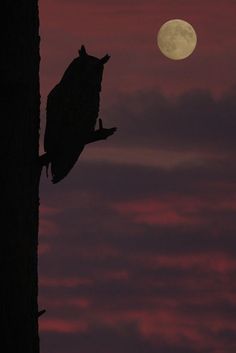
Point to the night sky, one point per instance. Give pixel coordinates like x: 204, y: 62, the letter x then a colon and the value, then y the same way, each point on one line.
x: 137, y: 244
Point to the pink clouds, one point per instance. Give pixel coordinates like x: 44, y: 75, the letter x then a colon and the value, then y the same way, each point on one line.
x: 138, y: 243
x: 173, y: 211
x: 154, y: 212
x: 75, y: 304
x: 219, y: 263
x: 48, y: 226
x: 62, y: 326
x: 64, y: 282
x: 171, y: 311
x: 43, y: 248
x: 168, y: 323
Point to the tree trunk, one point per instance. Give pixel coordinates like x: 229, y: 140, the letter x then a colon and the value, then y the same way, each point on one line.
x: 19, y: 175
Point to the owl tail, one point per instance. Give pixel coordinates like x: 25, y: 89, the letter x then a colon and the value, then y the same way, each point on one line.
x: 62, y: 163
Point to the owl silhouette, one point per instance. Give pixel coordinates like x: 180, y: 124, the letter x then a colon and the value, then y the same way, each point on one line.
x: 72, y: 114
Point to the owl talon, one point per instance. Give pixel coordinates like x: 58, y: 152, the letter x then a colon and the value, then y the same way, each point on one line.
x: 44, y: 161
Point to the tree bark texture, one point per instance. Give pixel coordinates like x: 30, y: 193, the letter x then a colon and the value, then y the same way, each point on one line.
x: 19, y: 175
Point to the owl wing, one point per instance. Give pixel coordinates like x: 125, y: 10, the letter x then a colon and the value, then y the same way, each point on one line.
x: 54, y: 121
x: 67, y: 126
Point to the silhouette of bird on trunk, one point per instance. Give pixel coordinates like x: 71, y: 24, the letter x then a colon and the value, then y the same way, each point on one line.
x: 72, y: 113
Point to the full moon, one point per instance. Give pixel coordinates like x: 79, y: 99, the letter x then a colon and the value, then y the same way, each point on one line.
x: 176, y: 39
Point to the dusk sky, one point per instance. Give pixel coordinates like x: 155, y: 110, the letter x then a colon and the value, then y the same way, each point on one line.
x: 137, y: 245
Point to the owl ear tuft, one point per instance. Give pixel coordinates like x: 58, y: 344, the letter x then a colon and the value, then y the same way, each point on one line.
x: 105, y: 59
x: 82, y: 51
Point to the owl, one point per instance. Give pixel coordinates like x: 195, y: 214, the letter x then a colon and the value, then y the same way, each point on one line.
x: 72, y: 114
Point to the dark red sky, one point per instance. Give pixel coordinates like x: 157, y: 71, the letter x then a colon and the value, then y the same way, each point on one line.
x: 137, y: 244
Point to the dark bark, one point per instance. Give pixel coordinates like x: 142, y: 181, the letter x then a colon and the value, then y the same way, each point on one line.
x: 19, y: 175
